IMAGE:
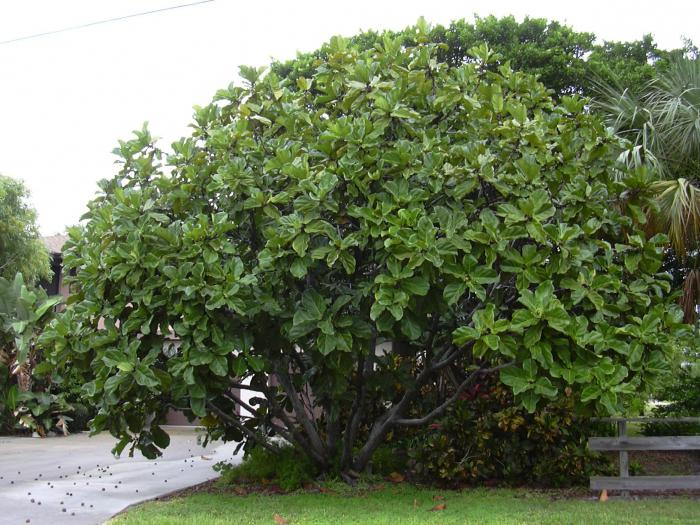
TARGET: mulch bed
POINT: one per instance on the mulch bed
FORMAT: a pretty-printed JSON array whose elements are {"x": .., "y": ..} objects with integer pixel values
[
  {"x": 208, "y": 487},
  {"x": 650, "y": 463},
  {"x": 268, "y": 489}
]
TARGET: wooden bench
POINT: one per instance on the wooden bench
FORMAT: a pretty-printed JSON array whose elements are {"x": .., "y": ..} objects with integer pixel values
[{"x": 624, "y": 444}]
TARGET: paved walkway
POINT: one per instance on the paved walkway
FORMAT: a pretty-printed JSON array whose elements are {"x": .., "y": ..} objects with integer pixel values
[{"x": 75, "y": 480}]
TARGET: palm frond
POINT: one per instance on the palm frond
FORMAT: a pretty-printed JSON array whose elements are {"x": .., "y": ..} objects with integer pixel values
[
  {"x": 637, "y": 156},
  {"x": 624, "y": 110},
  {"x": 662, "y": 122},
  {"x": 626, "y": 113},
  {"x": 678, "y": 213},
  {"x": 673, "y": 101}
]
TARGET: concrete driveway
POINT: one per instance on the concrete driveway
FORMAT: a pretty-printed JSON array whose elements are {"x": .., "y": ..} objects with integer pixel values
[{"x": 76, "y": 480}]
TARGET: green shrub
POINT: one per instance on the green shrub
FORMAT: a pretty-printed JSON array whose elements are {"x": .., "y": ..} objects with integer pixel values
[
  {"x": 670, "y": 429},
  {"x": 71, "y": 386},
  {"x": 485, "y": 439},
  {"x": 81, "y": 416},
  {"x": 682, "y": 396},
  {"x": 6, "y": 416},
  {"x": 27, "y": 397},
  {"x": 288, "y": 468},
  {"x": 388, "y": 459}
]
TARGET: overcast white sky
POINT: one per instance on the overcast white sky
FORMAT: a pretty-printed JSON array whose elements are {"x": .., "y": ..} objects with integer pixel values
[{"x": 66, "y": 99}]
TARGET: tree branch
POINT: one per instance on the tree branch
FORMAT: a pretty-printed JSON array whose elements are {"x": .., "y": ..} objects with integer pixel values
[
  {"x": 452, "y": 352},
  {"x": 438, "y": 411},
  {"x": 260, "y": 440},
  {"x": 287, "y": 433},
  {"x": 431, "y": 337},
  {"x": 363, "y": 370},
  {"x": 382, "y": 426},
  {"x": 235, "y": 399},
  {"x": 300, "y": 411},
  {"x": 241, "y": 386},
  {"x": 290, "y": 427}
]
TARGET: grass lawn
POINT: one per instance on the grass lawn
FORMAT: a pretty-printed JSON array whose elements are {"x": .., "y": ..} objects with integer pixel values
[{"x": 406, "y": 505}]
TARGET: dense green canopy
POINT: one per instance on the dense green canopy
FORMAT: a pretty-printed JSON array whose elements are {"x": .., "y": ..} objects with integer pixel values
[{"x": 457, "y": 212}]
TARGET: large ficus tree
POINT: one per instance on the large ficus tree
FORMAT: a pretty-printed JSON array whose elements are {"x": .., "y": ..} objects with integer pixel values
[{"x": 455, "y": 212}]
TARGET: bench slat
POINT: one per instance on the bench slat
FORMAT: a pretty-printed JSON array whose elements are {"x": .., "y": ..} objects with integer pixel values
[
  {"x": 645, "y": 483},
  {"x": 645, "y": 443}
]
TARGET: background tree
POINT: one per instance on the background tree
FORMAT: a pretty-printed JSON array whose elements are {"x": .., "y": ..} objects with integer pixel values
[
  {"x": 457, "y": 212},
  {"x": 565, "y": 60},
  {"x": 660, "y": 120},
  {"x": 24, "y": 310},
  {"x": 631, "y": 64},
  {"x": 21, "y": 248}
]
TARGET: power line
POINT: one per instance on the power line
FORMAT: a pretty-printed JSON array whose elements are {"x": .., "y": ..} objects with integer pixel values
[{"x": 98, "y": 22}]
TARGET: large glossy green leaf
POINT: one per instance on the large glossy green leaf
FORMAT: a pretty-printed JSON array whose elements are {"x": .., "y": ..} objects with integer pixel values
[
  {"x": 145, "y": 376},
  {"x": 516, "y": 378}
]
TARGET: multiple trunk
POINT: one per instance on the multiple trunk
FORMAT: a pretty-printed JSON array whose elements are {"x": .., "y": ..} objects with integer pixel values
[{"x": 301, "y": 426}]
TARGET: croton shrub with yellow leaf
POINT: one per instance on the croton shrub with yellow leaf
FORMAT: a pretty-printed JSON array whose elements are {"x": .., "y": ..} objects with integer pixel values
[{"x": 485, "y": 438}]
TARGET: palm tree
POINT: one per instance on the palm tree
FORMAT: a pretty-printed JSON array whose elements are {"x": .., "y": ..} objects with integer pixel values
[{"x": 662, "y": 124}]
